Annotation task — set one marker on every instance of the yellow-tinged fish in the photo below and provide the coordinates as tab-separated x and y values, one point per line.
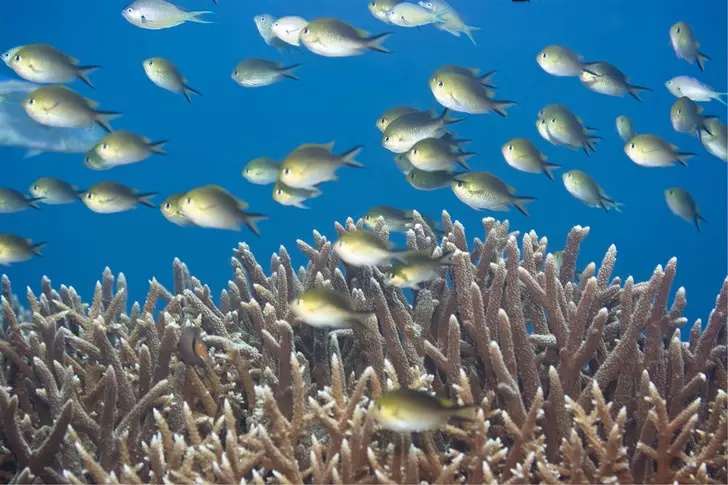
566	129
541	122
483	190
682	204
434	154
604	78
111	197
625	128
396	220
50	190
364	248
379	8
288	29
392	114
159	14
407	410
171	210
522	155
686	117
402	133
165	74
122	148
286	195
312	164
424	180
256	72
16	249
213	207
693	89
558	60
42	63
453	23
474	72
13	201
686	45
406	14
466	94
321	307
331	37
652	151
262	171
62	107
716	142
418	268
582	186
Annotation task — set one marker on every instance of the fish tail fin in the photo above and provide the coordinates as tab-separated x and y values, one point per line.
186	90
450	121
103	118
288	72
158	147
519	202
349	156
591	141
146	199
606	203
720	99
500	107
698	219
467	412
462	157
485	79
468	30
548	169
250	219
32	202
682	156
35	248
194	16
374	43
633	91
701	58
82	73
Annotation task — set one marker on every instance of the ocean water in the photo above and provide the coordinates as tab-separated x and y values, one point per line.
339	99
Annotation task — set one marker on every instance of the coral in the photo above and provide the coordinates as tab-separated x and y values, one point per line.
575	382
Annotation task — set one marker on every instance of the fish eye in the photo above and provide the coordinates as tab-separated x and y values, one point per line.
677	31
150	63
553	120
510	147
235	73
129	10
104	146
189	200
386	138
276	24
305	31
679	111
35	187
414	152
672	192
632	146
89	195
262	19
669	83
383	120
569	175
17	58
279	192
440	84
286	171
544	55
460	183
402	17
31	101
247	170
367	217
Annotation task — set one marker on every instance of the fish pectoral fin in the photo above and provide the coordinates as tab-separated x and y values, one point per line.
55	105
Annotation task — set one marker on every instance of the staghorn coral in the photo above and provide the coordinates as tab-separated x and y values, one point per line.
575	382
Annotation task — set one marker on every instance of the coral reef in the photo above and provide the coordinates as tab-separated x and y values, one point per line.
576	381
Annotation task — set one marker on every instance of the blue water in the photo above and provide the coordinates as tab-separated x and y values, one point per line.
340	99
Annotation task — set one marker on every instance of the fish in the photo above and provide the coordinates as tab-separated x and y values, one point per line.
311	164
160	14
558	60
396	220
170	208
16	249
364	248
483	190
43	63
122	148
213	207
325	308
564	128
625	128
264	23
604	78
466	94
165	74
453	23
110	197
403	164
18	129
582	186
692	88
13	201
473	72
433	154
262	171
406	14
54	191
541	122
286	195
392	114
652	151
716	140
331	37
288	29
417	269
379	9
686	45
191	347
522	154
682	204
408	129
256	72
61	107
423	180
408	410
686	117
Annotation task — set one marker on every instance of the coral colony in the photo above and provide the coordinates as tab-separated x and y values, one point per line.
576	380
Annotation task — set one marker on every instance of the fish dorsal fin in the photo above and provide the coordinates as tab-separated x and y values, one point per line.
242	205
146	140
474	70
544	157
28	241
511	188
72	60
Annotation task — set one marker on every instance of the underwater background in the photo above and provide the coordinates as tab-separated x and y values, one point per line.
339	100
